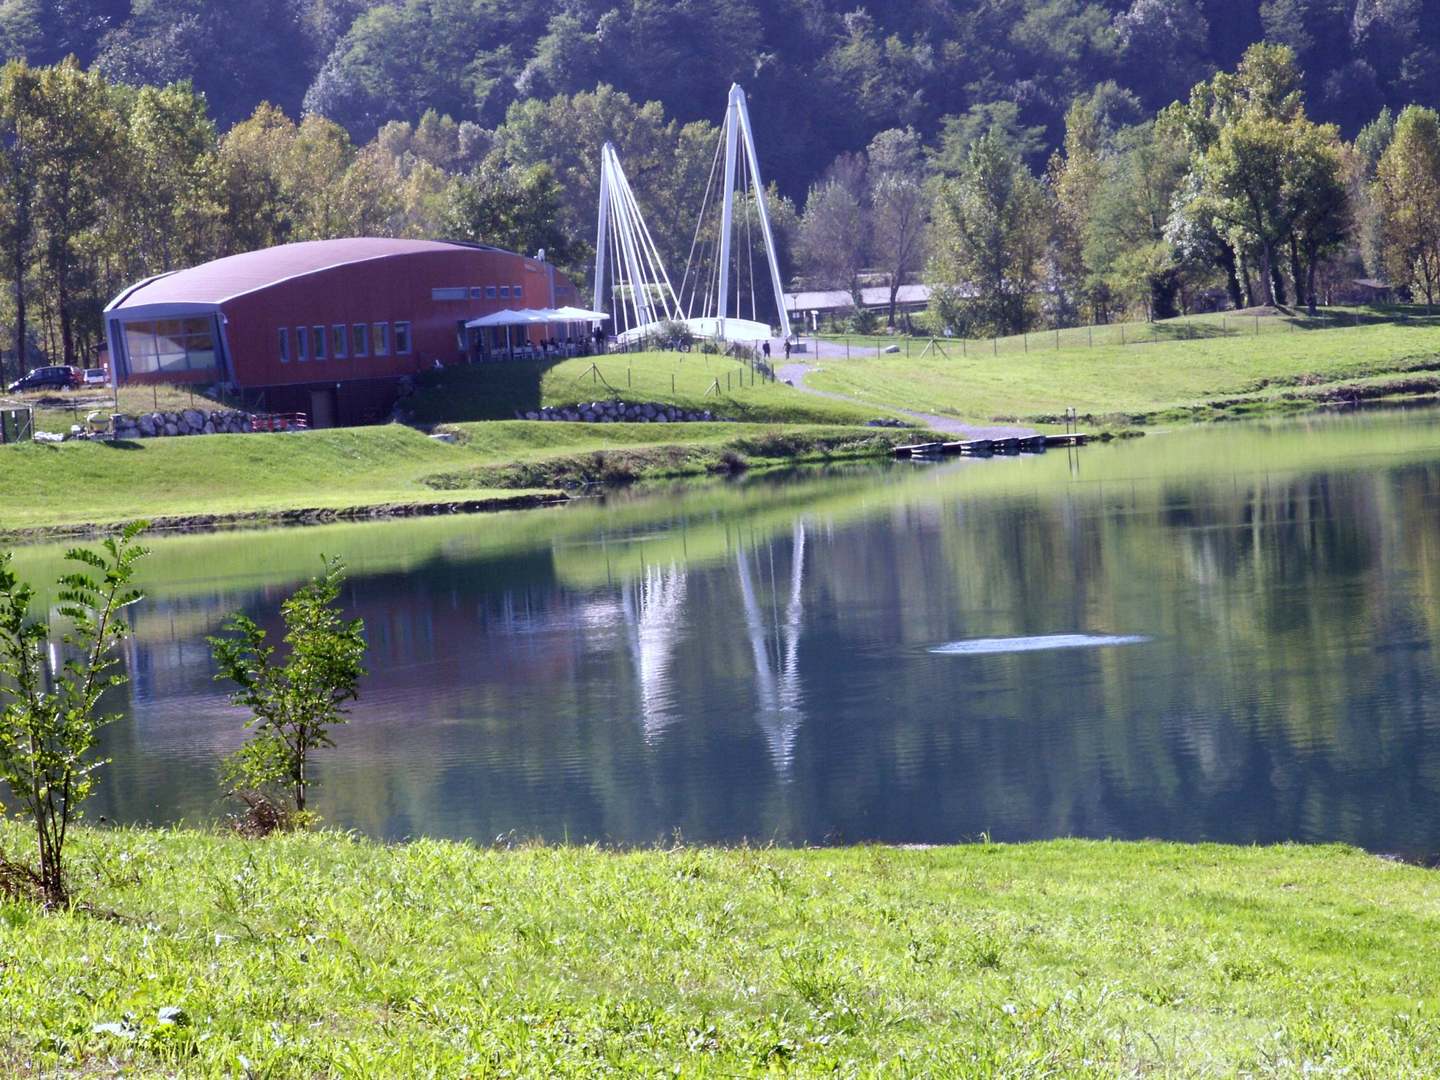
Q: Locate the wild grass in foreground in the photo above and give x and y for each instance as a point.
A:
(314, 955)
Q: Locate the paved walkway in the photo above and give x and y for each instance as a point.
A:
(795, 373)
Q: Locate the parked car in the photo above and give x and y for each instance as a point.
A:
(96, 376)
(48, 378)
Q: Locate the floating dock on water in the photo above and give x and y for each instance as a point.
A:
(1027, 444)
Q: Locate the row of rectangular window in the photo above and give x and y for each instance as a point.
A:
(345, 340)
(475, 292)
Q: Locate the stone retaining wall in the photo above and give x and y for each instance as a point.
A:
(612, 412)
(186, 422)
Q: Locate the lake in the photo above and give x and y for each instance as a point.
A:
(1221, 633)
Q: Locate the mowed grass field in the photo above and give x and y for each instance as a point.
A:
(1134, 381)
(326, 955)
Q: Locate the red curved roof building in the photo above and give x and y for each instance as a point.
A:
(324, 327)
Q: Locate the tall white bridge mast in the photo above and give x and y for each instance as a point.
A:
(640, 294)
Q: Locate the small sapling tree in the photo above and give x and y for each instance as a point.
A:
(293, 705)
(50, 718)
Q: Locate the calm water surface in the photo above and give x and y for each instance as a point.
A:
(1220, 634)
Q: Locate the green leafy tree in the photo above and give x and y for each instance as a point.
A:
(296, 704)
(17, 183)
(992, 225)
(899, 207)
(834, 239)
(76, 145)
(1407, 195)
(48, 725)
(515, 208)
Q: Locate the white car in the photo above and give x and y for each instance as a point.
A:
(96, 376)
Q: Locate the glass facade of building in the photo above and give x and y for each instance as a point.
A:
(170, 345)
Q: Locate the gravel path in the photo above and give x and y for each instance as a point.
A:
(795, 373)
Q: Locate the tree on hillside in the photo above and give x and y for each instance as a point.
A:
(899, 207)
(511, 207)
(991, 224)
(667, 163)
(1407, 195)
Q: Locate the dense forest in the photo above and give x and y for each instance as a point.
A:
(1103, 147)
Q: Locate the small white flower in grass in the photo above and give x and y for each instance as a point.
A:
(1009, 1009)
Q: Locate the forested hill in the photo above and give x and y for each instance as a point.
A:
(827, 74)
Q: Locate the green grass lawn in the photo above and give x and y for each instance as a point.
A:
(691, 380)
(1135, 380)
(97, 483)
(320, 955)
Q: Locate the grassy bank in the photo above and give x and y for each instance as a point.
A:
(348, 472)
(692, 381)
(324, 955)
(1179, 378)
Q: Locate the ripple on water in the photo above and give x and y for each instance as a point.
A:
(986, 646)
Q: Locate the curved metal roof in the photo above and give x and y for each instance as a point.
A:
(235, 275)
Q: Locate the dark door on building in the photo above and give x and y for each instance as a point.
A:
(322, 408)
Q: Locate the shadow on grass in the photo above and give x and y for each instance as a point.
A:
(487, 391)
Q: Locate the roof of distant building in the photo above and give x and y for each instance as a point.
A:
(876, 296)
(235, 275)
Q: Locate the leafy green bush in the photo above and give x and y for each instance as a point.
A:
(293, 706)
(48, 726)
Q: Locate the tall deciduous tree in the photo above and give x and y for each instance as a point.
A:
(1407, 193)
(899, 206)
(76, 143)
(17, 182)
(833, 239)
(992, 223)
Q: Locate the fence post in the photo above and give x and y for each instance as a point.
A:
(1090, 333)
(994, 346)
(1025, 337)
(1057, 339)
(1122, 333)
(1257, 325)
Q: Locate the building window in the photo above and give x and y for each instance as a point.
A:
(457, 293)
(360, 340)
(341, 333)
(517, 292)
(489, 292)
(284, 344)
(381, 334)
(302, 344)
(402, 339)
(166, 345)
(317, 336)
(505, 292)
(476, 293)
